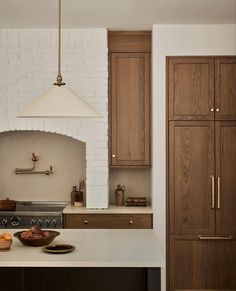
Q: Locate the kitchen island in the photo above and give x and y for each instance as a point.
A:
(107, 260)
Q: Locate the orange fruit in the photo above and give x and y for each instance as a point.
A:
(7, 236)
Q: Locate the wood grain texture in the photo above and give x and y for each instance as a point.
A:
(93, 279)
(129, 41)
(130, 109)
(109, 221)
(226, 170)
(191, 165)
(12, 279)
(203, 265)
(80, 279)
(225, 88)
(191, 88)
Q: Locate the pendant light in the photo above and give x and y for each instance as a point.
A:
(59, 100)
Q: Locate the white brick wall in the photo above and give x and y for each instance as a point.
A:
(28, 64)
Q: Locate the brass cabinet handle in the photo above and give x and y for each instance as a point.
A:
(212, 192)
(212, 109)
(131, 222)
(86, 222)
(218, 193)
(215, 237)
(113, 155)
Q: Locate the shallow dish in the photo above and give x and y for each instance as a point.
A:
(37, 242)
(58, 249)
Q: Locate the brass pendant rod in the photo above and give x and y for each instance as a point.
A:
(59, 77)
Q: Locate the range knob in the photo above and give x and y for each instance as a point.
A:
(47, 222)
(15, 221)
(33, 221)
(54, 222)
(4, 221)
(39, 222)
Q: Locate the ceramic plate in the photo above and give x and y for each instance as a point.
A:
(58, 249)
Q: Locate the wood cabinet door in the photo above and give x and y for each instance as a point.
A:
(191, 88)
(191, 167)
(226, 177)
(130, 109)
(225, 88)
(202, 265)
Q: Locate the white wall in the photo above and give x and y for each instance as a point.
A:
(171, 40)
(28, 65)
(65, 154)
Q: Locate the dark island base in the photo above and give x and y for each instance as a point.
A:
(80, 279)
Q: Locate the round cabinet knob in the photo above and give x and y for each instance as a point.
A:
(217, 109)
(54, 222)
(32, 221)
(131, 222)
(113, 155)
(86, 222)
(4, 221)
(212, 109)
(40, 222)
(15, 221)
(46, 222)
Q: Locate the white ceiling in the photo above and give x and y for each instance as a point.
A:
(115, 14)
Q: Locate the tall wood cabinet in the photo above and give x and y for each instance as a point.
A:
(201, 242)
(129, 102)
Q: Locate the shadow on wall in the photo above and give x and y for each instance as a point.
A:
(65, 154)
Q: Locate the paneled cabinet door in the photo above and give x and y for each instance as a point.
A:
(202, 265)
(191, 171)
(130, 109)
(191, 88)
(226, 177)
(225, 88)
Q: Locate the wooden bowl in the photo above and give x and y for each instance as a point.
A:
(5, 244)
(37, 242)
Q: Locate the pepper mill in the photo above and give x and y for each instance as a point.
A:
(119, 195)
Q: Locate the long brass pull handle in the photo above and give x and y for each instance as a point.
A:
(219, 194)
(216, 237)
(212, 192)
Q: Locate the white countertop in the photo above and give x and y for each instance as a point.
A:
(94, 248)
(111, 210)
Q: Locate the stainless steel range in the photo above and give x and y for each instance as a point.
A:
(27, 214)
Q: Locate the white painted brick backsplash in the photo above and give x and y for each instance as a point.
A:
(28, 64)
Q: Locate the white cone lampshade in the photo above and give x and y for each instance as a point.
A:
(59, 101)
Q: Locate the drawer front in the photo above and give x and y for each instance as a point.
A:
(112, 221)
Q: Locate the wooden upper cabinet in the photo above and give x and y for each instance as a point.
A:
(191, 88)
(225, 88)
(129, 103)
(191, 166)
(226, 177)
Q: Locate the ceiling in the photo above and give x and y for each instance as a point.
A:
(115, 14)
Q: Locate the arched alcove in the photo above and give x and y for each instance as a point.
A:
(66, 155)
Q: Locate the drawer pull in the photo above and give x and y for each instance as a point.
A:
(216, 237)
(131, 222)
(86, 222)
(212, 192)
(218, 196)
